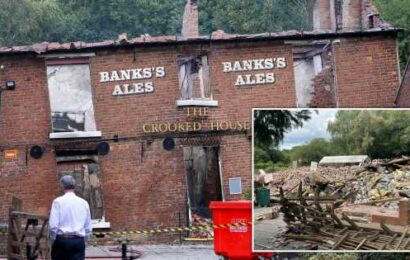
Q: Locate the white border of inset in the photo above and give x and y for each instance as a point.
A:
(311, 251)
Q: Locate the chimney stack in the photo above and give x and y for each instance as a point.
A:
(352, 12)
(190, 24)
(322, 18)
(338, 14)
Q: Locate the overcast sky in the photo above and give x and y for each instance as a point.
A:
(314, 128)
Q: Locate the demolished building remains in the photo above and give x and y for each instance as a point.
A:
(364, 207)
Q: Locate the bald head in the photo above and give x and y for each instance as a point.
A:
(67, 182)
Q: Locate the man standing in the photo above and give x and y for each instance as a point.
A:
(70, 223)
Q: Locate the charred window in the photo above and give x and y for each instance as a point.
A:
(194, 83)
(69, 88)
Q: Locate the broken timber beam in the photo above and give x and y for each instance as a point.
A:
(340, 241)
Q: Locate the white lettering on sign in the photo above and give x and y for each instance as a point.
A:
(239, 229)
(255, 65)
(132, 74)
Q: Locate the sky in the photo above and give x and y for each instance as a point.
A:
(316, 127)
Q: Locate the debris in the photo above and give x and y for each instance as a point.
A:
(312, 202)
(200, 221)
(317, 222)
(379, 180)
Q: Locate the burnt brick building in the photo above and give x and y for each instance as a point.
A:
(154, 128)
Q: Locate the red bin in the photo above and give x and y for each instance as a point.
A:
(234, 242)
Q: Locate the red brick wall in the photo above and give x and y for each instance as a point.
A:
(367, 72)
(352, 14)
(140, 190)
(157, 187)
(24, 121)
(324, 84)
(148, 189)
(323, 18)
(323, 92)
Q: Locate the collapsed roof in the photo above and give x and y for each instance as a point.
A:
(351, 18)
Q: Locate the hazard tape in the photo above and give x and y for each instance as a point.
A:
(172, 229)
(167, 230)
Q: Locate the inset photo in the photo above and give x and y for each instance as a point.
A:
(331, 180)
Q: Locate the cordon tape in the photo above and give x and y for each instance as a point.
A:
(166, 230)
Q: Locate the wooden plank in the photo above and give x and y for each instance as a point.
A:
(39, 237)
(342, 231)
(16, 204)
(392, 239)
(396, 161)
(373, 237)
(357, 233)
(406, 244)
(21, 214)
(386, 229)
(336, 218)
(321, 198)
(15, 256)
(361, 244)
(340, 241)
(30, 233)
(376, 227)
(402, 237)
(351, 223)
(96, 194)
(377, 201)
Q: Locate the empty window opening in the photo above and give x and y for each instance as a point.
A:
(194, 83)
(71, 102)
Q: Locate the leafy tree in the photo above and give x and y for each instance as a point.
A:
(397, 12)
(270, 159)
(28, 21)
(271, 125)
(244, 16)
(314, 151)
(23, 21)
(379, 134)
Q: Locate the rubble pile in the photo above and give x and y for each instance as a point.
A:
(381, 182)
(204, 222)
(314, 219)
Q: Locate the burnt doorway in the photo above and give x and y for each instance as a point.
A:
(204, 182)
(88, 186)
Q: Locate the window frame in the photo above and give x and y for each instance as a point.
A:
(70, 60)
(204, 84)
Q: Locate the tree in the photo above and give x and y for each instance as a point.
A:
(271, 125)
(244, 16)
(313, 151)
(379, 134)
(24, 21)
(28, 21)
(397, 12)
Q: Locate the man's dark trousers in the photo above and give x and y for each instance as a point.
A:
(68, 248)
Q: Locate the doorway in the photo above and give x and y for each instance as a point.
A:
(204, 182)
(88, 186)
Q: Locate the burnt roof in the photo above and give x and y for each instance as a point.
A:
(217, 36)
